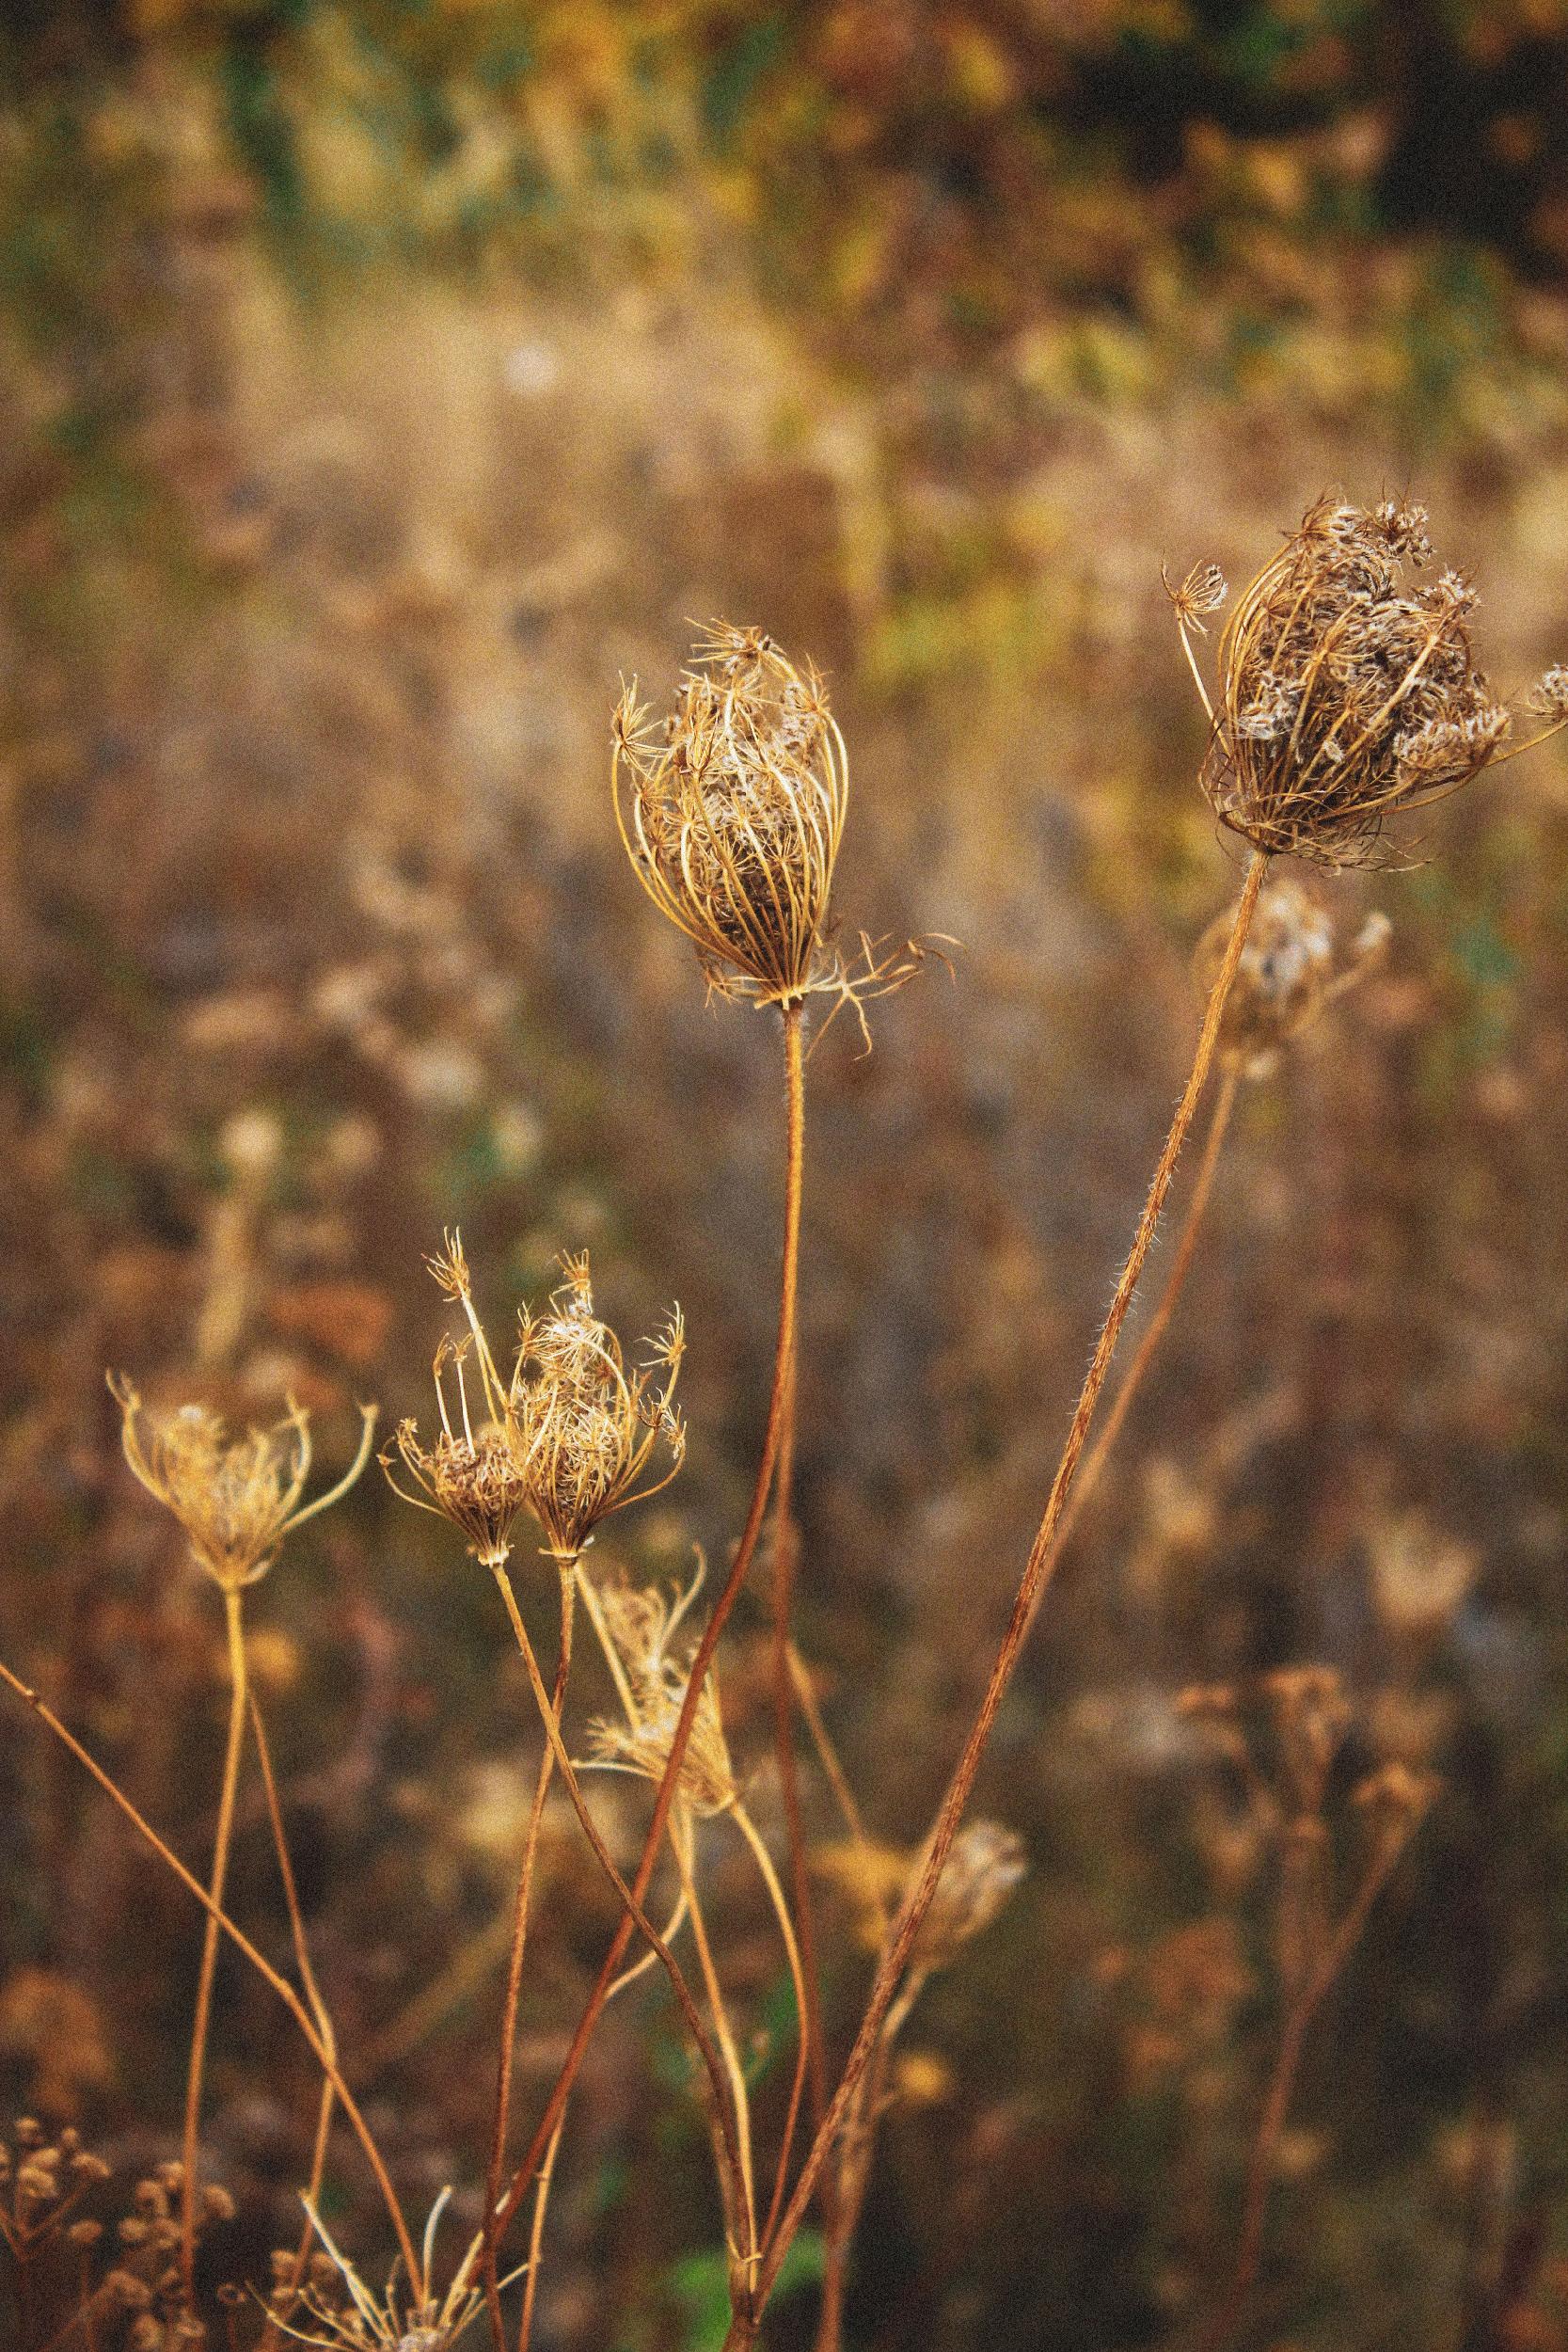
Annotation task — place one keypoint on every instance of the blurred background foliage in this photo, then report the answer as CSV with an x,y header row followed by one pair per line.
x,y
377,383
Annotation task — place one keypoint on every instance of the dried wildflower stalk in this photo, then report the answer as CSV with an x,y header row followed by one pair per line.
x,y
1308,1714
1346,697
236,1501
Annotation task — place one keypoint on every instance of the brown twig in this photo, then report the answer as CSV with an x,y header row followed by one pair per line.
x,y
901,1943
201,2017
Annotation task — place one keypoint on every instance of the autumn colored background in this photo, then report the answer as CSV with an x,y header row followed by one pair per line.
x,y
380,380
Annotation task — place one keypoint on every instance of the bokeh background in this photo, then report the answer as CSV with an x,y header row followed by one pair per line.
x,y
380,380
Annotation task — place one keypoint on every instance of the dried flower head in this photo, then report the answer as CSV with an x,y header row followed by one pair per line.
x,y
984,1864
1288,973
1311,1715
641,1624
571,1434
236,1498
411,2320
1346,695
732,809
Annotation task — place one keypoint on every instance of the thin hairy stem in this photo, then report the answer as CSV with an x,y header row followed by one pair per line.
x,y
312,1993
263,1967
784,1351
1154,1330
634,1917
507,2059
1277,2106
901,1941
854,2171
233,1608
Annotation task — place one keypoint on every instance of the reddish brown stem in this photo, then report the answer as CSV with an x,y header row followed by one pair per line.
x,y
783,1354
907,1926
201,2017
507,2058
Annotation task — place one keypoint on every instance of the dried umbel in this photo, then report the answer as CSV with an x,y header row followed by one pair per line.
x,y
236,1498
732,812
411,2320
571,1434
1290,972
984,1864
1346,694
641,1625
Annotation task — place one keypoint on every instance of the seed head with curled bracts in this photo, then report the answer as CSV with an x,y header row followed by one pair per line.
x,y
1288,973
412,2318
1346,695
236,1498
639,1627
571,1433
732,811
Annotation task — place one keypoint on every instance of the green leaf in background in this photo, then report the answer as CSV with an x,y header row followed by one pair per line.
x,y
701,2284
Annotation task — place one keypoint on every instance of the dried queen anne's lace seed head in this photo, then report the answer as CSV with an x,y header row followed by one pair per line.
x,y
984,1864
1288,973
732,809
571,1434
1347,695
405,2321
236,1498
641,1625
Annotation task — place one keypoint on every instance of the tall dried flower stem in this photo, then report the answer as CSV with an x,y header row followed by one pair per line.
x,y
233,1607
496,2170
536,2236
795,1956
312,1993
633,1916
743,2220
319,2048
785,1543
1277,2106
1154,1330
784,1351
901,1941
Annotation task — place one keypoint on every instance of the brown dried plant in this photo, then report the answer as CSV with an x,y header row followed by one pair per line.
x,y
571,1434
641,1625
1288,975
1282,1741
236,1501
732,811
1346,695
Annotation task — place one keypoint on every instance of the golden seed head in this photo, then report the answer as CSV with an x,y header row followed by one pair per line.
x,y
1289,972
732,811
236,1498
641,1623
571,1434
984,1864
1347,695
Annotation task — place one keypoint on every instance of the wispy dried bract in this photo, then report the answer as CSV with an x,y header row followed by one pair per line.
x,y
984,1864
1346,695
641,1624
571,1434
401,2320
1290,972
731,810
236,1498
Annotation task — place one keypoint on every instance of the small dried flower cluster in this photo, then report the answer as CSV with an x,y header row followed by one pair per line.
x,y
641,1625
732,812
1346,697
1288,972
236,1498
145,2285
570,1434
43,2184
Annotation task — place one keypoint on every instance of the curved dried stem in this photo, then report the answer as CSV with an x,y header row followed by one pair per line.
x,y
793,1955
495,2170
745,1549
233,1607
285,1992
784,1553
901,1942
634,1917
